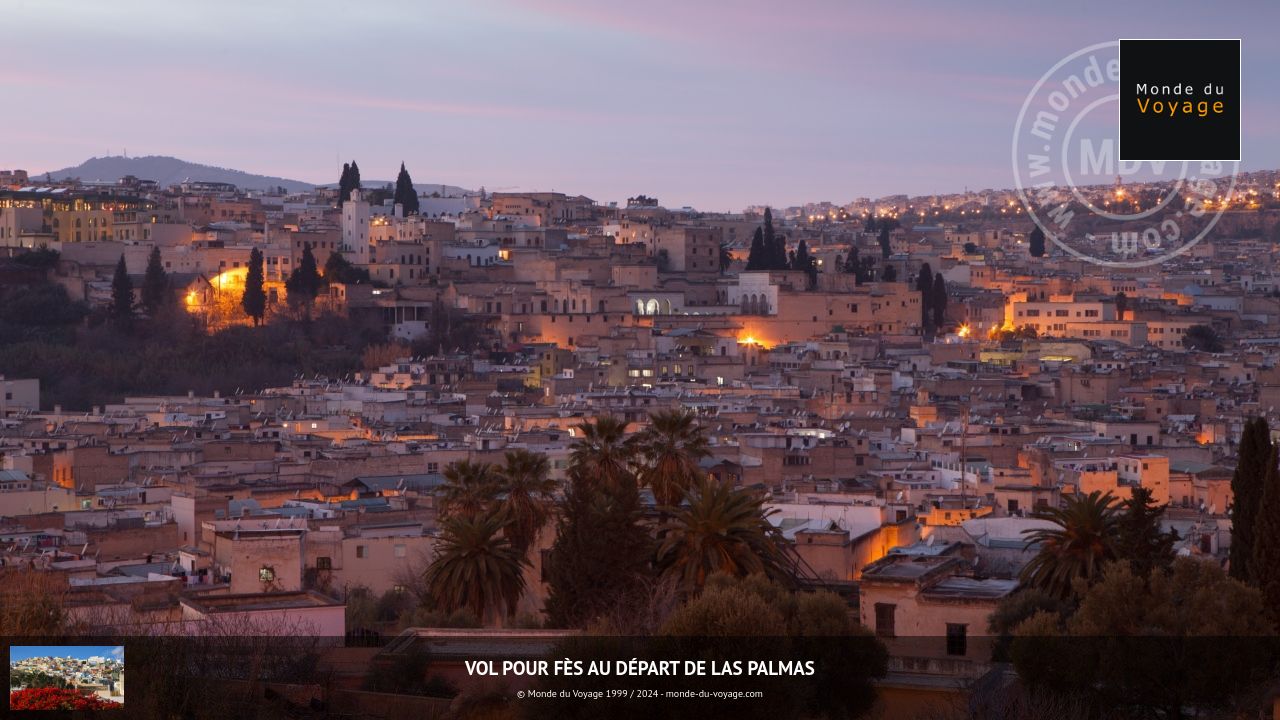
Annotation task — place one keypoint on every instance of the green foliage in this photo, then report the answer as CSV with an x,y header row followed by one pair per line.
x,y
1203,338
1246,488
1140,540
304,283
156,292
970,249
720,529
602,555
938,300
1083,541
1035,242
406,674
671,447
406,196
1183,638
254,299
169,354
121,307
768,249
39,257
885,248
349,181
525,496
337,269
469,488
890,273
1265,567
476,566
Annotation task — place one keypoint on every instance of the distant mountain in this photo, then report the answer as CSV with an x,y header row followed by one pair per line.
x,y
168,171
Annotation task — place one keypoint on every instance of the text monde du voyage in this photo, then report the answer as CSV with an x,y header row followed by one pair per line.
x,y
1179,99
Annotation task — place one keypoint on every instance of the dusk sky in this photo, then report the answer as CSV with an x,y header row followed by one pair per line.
x,y
712,104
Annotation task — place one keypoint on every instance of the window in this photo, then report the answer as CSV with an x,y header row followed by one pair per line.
x,y
267,574
957,639
360,552
324,563
884,619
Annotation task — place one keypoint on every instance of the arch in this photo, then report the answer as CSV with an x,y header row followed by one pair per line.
x,y
639,306
651,307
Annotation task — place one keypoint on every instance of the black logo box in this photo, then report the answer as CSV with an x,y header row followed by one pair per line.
x,y
1185,65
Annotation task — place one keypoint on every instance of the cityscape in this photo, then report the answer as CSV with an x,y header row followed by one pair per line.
x,y
325,411
76,677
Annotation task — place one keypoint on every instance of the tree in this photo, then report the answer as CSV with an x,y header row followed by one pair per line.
x,y
304,282
254,300
602,455
1122,302
121,307
1035,242
337,269
671,448
970,249
775,246
721,529
1190,637
476,567
155,284
938,299
349,181
406,196
1266,541
756,258
1083,541
726,258
1246,489
1203,338
885,248
602,554
1140,540
889,274
924,285
526,495
469,488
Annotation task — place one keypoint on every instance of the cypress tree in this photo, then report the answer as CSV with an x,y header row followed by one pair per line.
x,y
601,555
889,274
355,176
254,300
756,259
1246,488
1265,564
1036,242
924,285
121,307
885,249
304,282
405,195
939,300
775,247
344,183
155,284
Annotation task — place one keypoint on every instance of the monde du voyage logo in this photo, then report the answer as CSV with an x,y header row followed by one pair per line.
x,y
1124,151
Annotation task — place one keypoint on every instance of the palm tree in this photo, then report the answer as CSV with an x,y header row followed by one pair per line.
x,y
476,566
1083,541
602,454
671,447
526,495
469,488
720,529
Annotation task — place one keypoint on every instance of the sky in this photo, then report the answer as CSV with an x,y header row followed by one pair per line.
x,y
79,652
708,103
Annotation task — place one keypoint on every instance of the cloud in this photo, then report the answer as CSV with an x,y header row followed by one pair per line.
x,y
117,652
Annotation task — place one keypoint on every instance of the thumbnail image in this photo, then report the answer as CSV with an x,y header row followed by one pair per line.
x,y
66,677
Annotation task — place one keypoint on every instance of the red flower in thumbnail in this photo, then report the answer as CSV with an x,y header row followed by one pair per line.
x,y
58,699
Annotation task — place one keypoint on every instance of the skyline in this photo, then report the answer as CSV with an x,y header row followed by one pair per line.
x,y
77,652
680,103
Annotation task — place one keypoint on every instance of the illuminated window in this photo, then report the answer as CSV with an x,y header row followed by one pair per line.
x,y
267,574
